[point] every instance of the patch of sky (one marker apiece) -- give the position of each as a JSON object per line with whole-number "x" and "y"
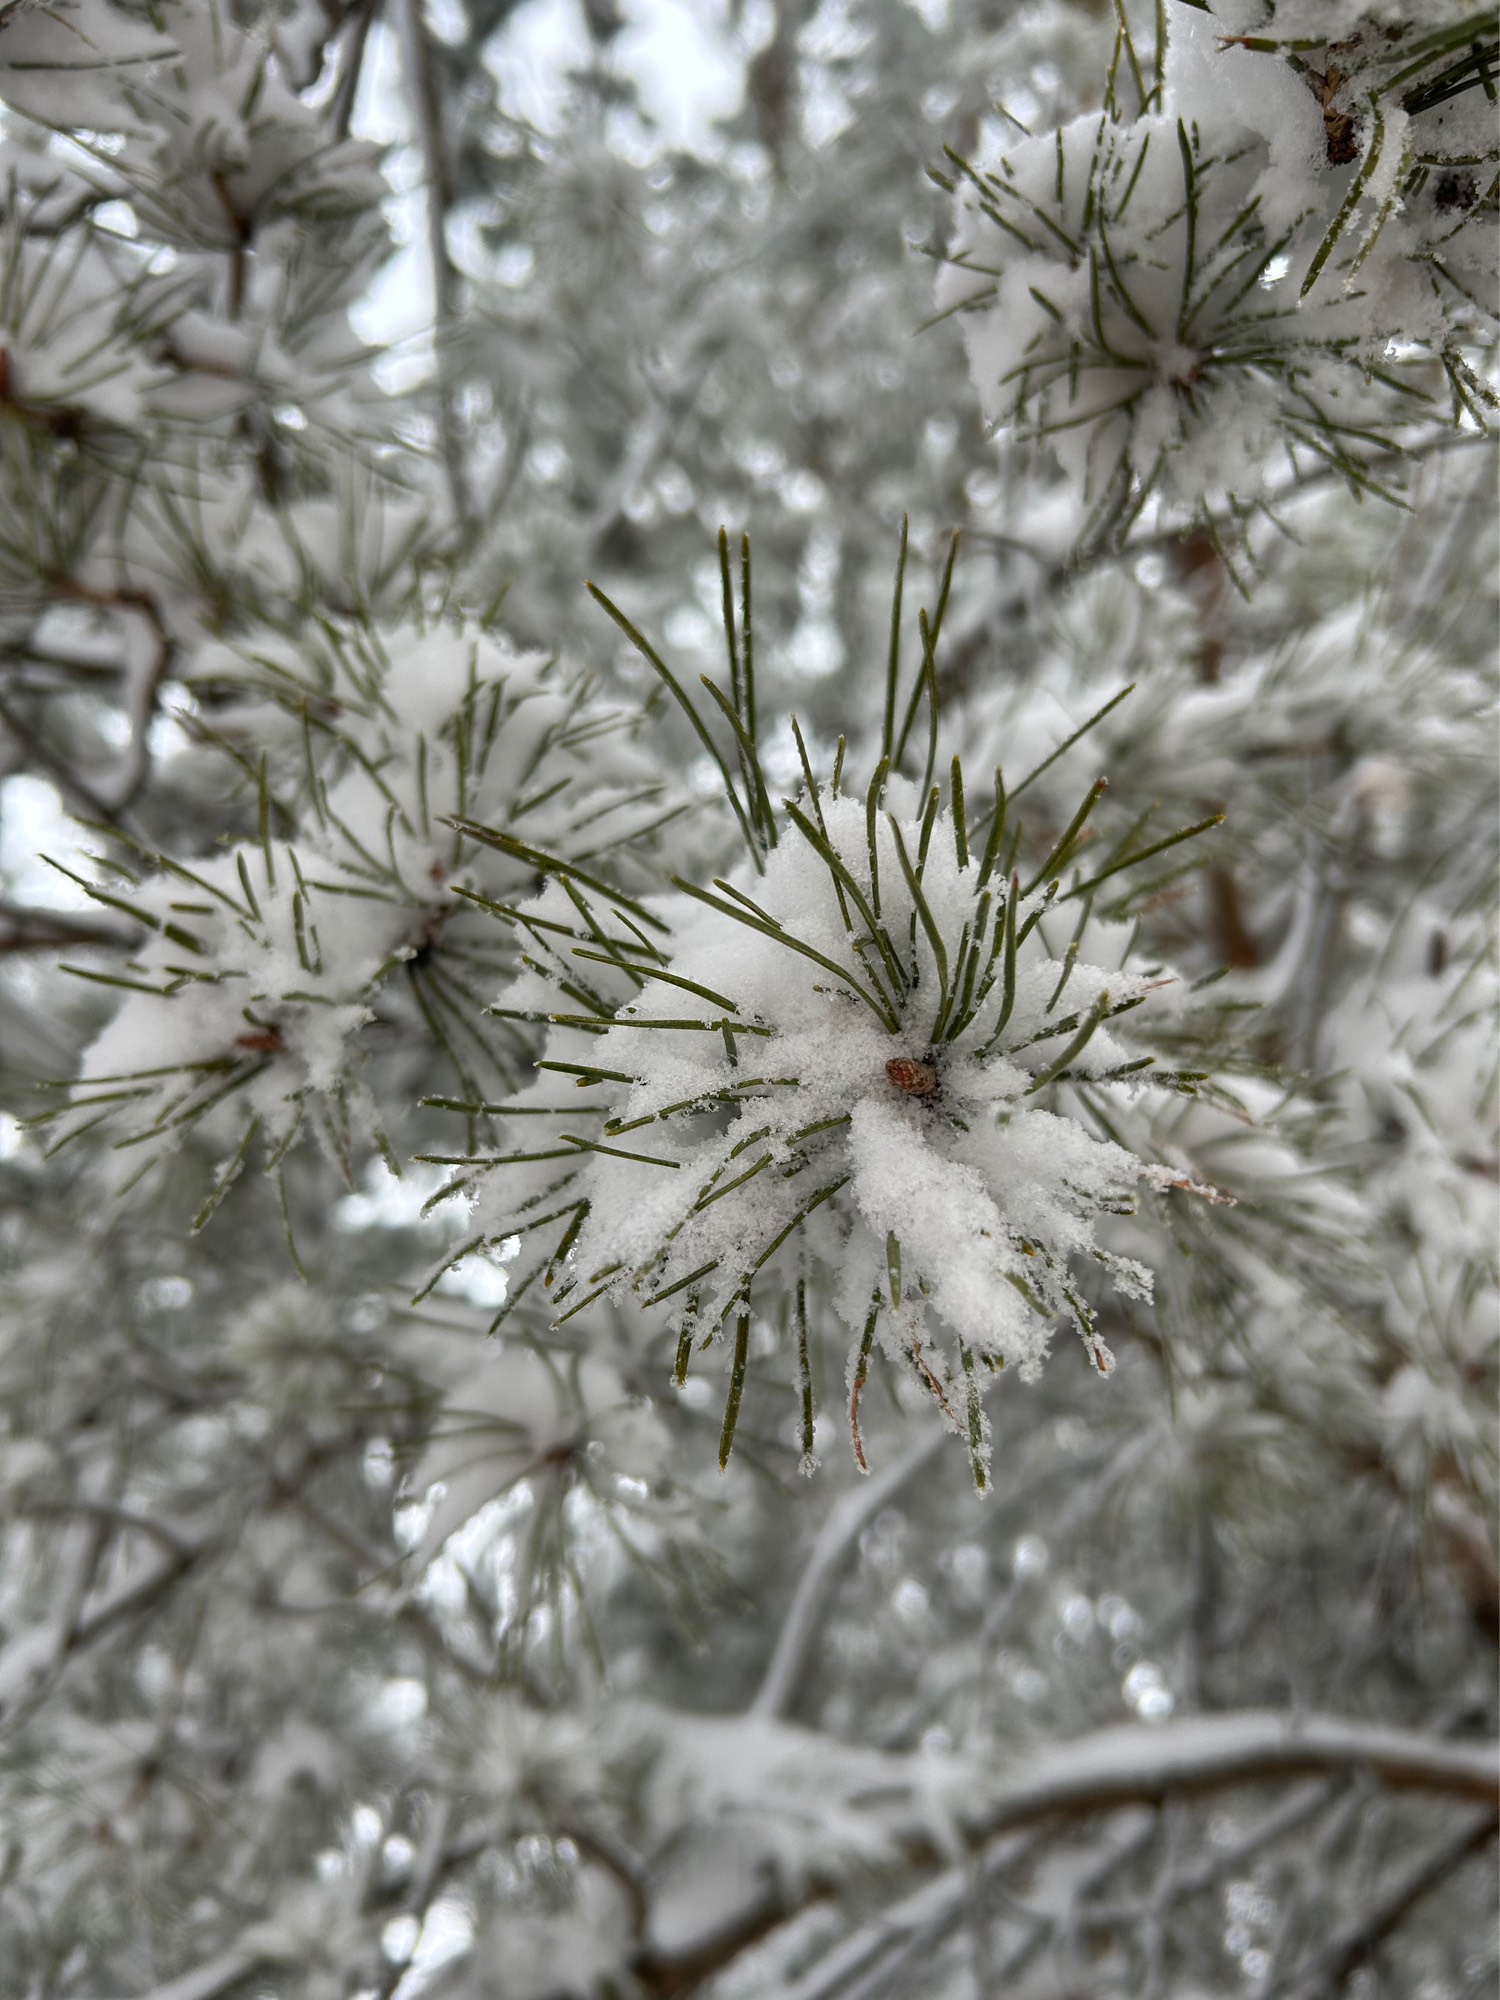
{"x": 396, "y": 312}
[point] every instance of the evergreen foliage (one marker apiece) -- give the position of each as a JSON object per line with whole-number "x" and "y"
{"x": 505, "y": 1070}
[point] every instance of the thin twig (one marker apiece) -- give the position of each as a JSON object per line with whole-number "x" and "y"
{"x": 1352, "y": 1946}
{"x": 427, "y": 110}
{"x": 778, "y": 1687}
{"x": 24, "y": 929}
{"x": 351, "y": 64}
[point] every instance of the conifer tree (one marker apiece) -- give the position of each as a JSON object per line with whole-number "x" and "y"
{"x": 748, "y": 1011}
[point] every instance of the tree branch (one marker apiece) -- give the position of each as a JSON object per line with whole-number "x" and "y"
{"x": 427, "y": 111}
{"x": 1350, "y": 1947}
{"x": 1142, "y": 1763}
{"x": 1126, "y": 1764}
{"x": 879, "y": 1948}
{"x": 845, "y": 1518}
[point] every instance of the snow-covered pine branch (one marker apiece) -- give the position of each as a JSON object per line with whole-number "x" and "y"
{"x": 266, "y": 975}
{"x": 820, "y": 1079}
{"x": 1264, "y": 260}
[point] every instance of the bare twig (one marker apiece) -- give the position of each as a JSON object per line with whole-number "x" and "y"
{"x": 778, "y": 1687}
{"x": 426, "y": 105}
{"x": 1357, "y": 1941}
{"x": 351, "y": 63}
{"x": 26, "y": 929}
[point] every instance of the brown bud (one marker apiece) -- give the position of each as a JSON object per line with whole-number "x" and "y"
{"x": 912, "y": 1078}
{"x": 268, "y": 1040}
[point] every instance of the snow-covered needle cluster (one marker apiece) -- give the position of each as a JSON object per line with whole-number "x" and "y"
{"x": 1184, "y": 301}
{"x": 830, "y": 1077}
{"x": 268, "y": 975}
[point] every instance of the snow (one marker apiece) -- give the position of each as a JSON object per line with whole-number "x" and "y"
{"x": 55, "y": 66}
{"x": 1222, "y": 88}
{"x": 764, "y": 1795}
